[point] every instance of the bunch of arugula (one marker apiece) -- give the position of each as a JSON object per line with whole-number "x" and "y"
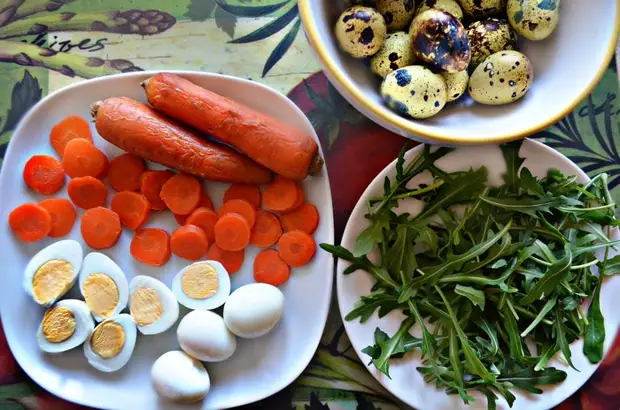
{"x": 513, "y": 267}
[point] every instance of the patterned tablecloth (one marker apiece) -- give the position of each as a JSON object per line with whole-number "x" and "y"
{"x": 48, "y": 44}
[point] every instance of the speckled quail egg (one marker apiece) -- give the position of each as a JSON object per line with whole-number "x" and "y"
{"x": 450, "y": 6}
{"x": 360, "y": 31}
{"x": 456, "y": 84}
{"x": 396, "y": 13}
{"x": 65, "y": 325}
{"x": 489, "y": 36}
{"x": 152, "y": 305}
{"x": 202, "y": 334}
{"x": 111, "y": 344}
{"x": 415, "y": 91}
{"x": 253, "y": 310}
{"x": 103, "y": 285}
{"x": 534, "y": 19}
{"x": 202, "y": 285}
{"x": 483, "y": 8}
{"x": 52, "y": 271}
{"x": 502, "y": 78}
{"x": 180, "y": 378}
{"x": 395, "y": 53}
{"x": 440, "y": 40}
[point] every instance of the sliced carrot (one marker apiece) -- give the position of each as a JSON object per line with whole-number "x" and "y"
{"x": 101, "y": 228}
{"x": 132, "y": 207}
{"x": 151, "y": 184}
{"x": 296, "y": 248}
{"x": 181, "y": 193}
{"x": 280, "y": 194}
{"x": 125, "y": 172}
{"x": 305, "y": 218}
{"x": 241, "y": 207}
{"x": 205, "y": 201}
{"x": 267, "y": 230}
{"x": 204, "y": 218}
{"x": 83, "y": 159}
{"x": 232, "y": 232}
{"x": 301, "y": 199}
{"x": 151, "y": 246}
{"x": 63, "y": 216}
{"x": 69, "y": 129}
{"x": 232, "y": 260}
{"x": 189, "y": 242}
{"x": 30, "y": 222}
{"x": 250, "y": 193}
{"x": 87, "y": 192}
{"x": 44, "y": 174}
{"x": 270, "y": 268}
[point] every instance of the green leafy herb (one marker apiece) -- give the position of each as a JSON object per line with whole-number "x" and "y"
{"x": 476, "y": 296}
{"x": 595, "y": 329}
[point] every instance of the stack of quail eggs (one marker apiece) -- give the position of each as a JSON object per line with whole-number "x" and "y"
{"x": 431, "y": 52}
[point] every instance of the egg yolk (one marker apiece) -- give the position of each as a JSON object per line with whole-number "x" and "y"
{"x": 58, "y": 324}
{"x": 51, "y": 280}
{"x": 145, "y": 306}
{"x": 108, "y": 340}
{"x": 199, "y": 281}
{"x": 101, "y": 294}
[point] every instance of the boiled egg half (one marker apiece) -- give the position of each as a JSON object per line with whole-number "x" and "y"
{"x": 253, "y": 310}
{"x": 180, "y": 378}
{"x": 65, "y": 325}
{"x": 111, "y": 343}
{"x": 202, "y": 334}
{"x": 202, "y": 285}
{"x": 152, "y": 305}
{"x": 103, "y": 285}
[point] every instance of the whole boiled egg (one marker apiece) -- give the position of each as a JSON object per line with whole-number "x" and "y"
{"x": 111, "y": 343}
{"x": 103, "y": 285}
{"x": 253, "y": 310}
{"x": 65, "y": 325}
{"x": 202, "y": 334}
{"x": 52, "y": 271}
{"x": 202, "y": 285}
{"x": 152, "y": 305}
{"x": 178, "y": 377}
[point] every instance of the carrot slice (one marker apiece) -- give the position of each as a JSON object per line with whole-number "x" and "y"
{"x": 83, "y": 159}
{"x": 250, "y": 193}
{"x": 30, "y": 222}
{"x": 87, "y": 192}
{"x": 63, "y": 216}
{"x": 44, "y": 174}
{"x": 306, "y": 219}
{"x": 296, "y": 248}
{"x": 125, "y": 172}
{"x": 241, "y": 207}
{"x": 151, "y": 246}
{"x": 301, "y": 199}
{"x": 189, "y": 242}
{"x": 280, "y": 194}
{"x": 232, "y": 260}
{"x": 69, "y": 129}
{"x": 267, "y": 230}
{"x": 232, "y": 232}
{"x": 132, "y": 207}
{"x": 181, "y": 194}
{"x": 204, "y": 218}
{"x": 101, "y": 228}
{"x": 151, "y": 183}
{"x": 270, "y": 268}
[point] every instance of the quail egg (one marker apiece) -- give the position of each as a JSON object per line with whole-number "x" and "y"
{"x": 152, "y": 305}
{"x": 440, "y": 40}
{"x": 456, "y": 84}
{"x": 489, "y": 36}
{"x": 534, "y": 19}
{"x": 65, "y": 325}
{"x": 202, "y": 334}
{"x": 395, "y": 53}
{"x": 253, "y": 310}
{"x": 450, "y": 6}
{"x": 202, "y": 285}
{"x": 483, "y": 8}
{"x": 52, "y": 271}
{"x": 111, "y": 344}
{"x": 415, "y": 91}
{"x": 103, "y": 285}
{"x": 396, "y": 13}
{"x": 360, "y": 31}
{"x": 180, "y": 378}
{"x": 502, "y": 78}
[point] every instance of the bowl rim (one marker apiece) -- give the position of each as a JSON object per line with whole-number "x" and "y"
{"x": 411, "y": 127}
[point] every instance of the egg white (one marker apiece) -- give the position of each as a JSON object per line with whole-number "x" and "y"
{"x": 253, "y": 310}
{"x": 202, "y": 334}
{"x": 169, "y": 303}
{"x": 179, "y": 377}
{"x": 213, "y": 302}
{"x": 96, "y": 262}
{"x": 83, "y": 327}
{"x": 117, "y": 362}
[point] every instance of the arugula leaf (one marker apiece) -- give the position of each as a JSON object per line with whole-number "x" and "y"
{"x": 530, "y": 183}
{"x": 392, "y": 346}
{"x": 610, "y": 267}
{"x": 367, "y": 305}
{"x": 554, "y": 275}
{"x": 510, "y": 151}
{"x": 527, "y": 378}
{"x": 594, "y": 338}
{"x": 455, "y": 361}
{"x": 530, "y": 206}
{"x": 560, "y": 336}
{"x": 474, "y": 295}
{"x": 400, "y": 257}
{"x": 372, "y": 235}
{"x": 541, "y": 315}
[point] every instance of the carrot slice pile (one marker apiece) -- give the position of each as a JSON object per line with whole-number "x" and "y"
{"x": 296, "y": 248}
{"x": 231, "y": 260}
{"x": 280, "y": 194}
{"x": 232, "y": 232}
{"x": 133, "y": 208}
{"x": 305, "y": 218}
{"x": 205, "y": 219}
{"x": 151, "y": 246}
{"x": 63, "y": 216}
{"x": 301, "y": 198}
{"x": 267, "y": 230}
{"x": 181, "y": 193}
{"x": 87, "y": 192}
{"x": 69, "y": 129}
{"x": 101, "y": 228}
{"x": 44, "y": 174}
{"x": 151, "y": 183}
{"x": 250, "y": 193}
{"x": 30, "y": 222}
{"x": 241, "y": 207}
{"x": 83, "y": 159}
{"x": 189, "y": 242}
{"x": 270, "y": 268}
{"x": 125, "y": 172}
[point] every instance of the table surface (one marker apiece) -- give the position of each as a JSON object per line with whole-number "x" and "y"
{"x": 100, "y": 37}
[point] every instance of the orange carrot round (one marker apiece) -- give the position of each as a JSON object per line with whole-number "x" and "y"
{"x": 232, "y": 232}
{"x": 305, "y": 218}
{"x": 83, "y": 159}
{"x": 204, "y": 218}
{"x": 181, "y": 193}
{"x": 241, "y": 207}
{"x": 30, "y": 222}
{"x": 87, "y": 192}
{"x": 151, "y": 246}
{"x": 69, "y": 129}
{"x": 301, "y": 198}
{"x": 231, "y": 260}
{"x": 101, "y": 228}
{"x": 63, "y": 216}
{"x": 250, "y": 193}
{"x": 125, "y": 172}
{"x": 296, "y": 248}
{"x": 280, "y": 194}
{"x": 133, "y": 208}
{"x": 270, "y": 268}
{"x": 189, "y": 242}
{"x": 267, "y": 230}
{"x": 151, "y": 183}
{"x": 44, "y": 174}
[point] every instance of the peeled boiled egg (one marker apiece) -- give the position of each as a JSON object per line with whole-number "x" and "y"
{"x": 111, "y": 343}
{"x": 52, "y": 271}
{"x": 65, "y": 325}
{"x": 253, "y": 310}
{"x": 152, "y": 305}
{"x": 103, "y": 285}
{"x": 202, "y": 285}
{"x": 202, "y": 334}
{"x": 180, "y": 378}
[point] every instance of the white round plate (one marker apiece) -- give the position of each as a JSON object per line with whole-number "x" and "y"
{"x": 406, "y": 383}
{"x": 259, "y": 367}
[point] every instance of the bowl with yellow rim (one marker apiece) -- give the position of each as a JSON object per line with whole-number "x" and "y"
{"x": 567, "y": 66}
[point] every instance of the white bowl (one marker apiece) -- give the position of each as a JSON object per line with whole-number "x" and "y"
{"x": 567, "y": 66}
